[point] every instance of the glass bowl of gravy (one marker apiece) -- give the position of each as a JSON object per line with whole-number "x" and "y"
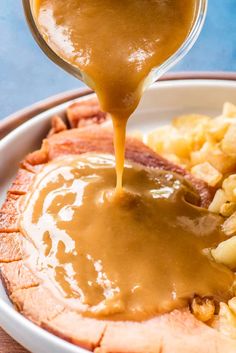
{"x": 118, "y": 48}
{"x": 200, "y": 9}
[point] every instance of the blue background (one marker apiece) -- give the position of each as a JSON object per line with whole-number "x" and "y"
{"x": 27, "y": 76}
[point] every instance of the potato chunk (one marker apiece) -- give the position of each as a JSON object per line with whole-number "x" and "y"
{"x": 228, "y": 144}
{"x": 229, "y": 110}
{"x": 227, "y": 209}
{"x": 229, "y": 226}
{"x": 208, "y": 173}
{"x": 225, "y": 253}
{"x": 229, "y": 186}
{"x": 203, "y": 308}
{"x": 225, "y": 322}
{"x": 218, "y": 201}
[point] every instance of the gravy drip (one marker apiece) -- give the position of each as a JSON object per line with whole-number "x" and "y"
{"x": 115, "y": 44}
{"x": 124, "y": 256}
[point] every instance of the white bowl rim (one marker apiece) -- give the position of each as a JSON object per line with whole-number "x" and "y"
{"x": 12, "y": 121}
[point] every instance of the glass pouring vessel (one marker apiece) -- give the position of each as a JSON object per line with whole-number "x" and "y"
{"x": 200, "y": 14}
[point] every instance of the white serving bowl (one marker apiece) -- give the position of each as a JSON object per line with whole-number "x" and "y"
{"x": 160, "y": 104}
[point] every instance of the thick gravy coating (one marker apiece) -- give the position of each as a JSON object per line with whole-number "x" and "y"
{"x": 115, "y": 44}
{"x": 144, "y": 249}
{"x": 122, "y": 256}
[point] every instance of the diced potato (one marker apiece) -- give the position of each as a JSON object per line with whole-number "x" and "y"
{"x": 218, "y": 201}
{"x": 200, "y": 156}
{"x": 208, "y": 173}
{"x": 199, "y": 138}
{"x": 218, "y": 127}
{"x": 229, "y": 226}
{"x": 167, "y": 140}
{"x": 157, "y": 138}
{"x": 225, "y": 322}
{"x": 228, "y": 144}
{"x": 179, "y": 145}
{"x": 155, "y": 143}
{"x": 197, "y": 157}
{"x": 227, "y": 209}
{"x": 193, "y": 126}
{"x": 232, "y": 305}
{"x": 225, "y": 253}
{"x": 190, "y": 121}
{"x": 206, "y": 147}
{"x": 229, "y": 186}
{"x": 203, "y": 308}
{"x": 229, "y": 110}
{"x": 221, "y": 161}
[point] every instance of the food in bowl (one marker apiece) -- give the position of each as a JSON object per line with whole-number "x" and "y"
{"x": 206, "y": 147}
{"x": 114, "y": 269}
{"x": 76, "y": 261}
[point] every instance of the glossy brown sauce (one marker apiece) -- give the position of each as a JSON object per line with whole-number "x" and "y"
{"x": 126, "y": 256}
{"x": 115, "y": 44}
{"x": 143, "y": 250}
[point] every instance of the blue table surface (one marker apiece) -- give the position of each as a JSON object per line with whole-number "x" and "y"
{"x": 27, "y": 75}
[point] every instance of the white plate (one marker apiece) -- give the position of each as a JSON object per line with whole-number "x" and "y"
{"x": 160, "y": 104}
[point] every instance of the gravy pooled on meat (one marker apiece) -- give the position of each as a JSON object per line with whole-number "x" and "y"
{"x": 144, "y": 249}
{"x": 115, "y": 44}
{"x": 143, "y": 253}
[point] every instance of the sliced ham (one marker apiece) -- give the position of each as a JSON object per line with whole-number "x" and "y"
{"x": 177, "y": 332}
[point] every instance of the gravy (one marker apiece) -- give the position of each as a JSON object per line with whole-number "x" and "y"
{"x": 143, "y": 250}
{"x": 128, "y": 256}
{"x": 115, "y": 44}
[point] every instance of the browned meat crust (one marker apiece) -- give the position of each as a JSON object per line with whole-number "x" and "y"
{"x": 83, "y": 114}
{"x": 58, "y": 125}
{"x": 88, "y": 139}
{"x": 176, "y": 332}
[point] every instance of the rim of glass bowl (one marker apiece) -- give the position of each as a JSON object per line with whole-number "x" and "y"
{"x": 154, "y": 74}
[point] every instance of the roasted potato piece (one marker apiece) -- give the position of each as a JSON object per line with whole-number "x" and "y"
{"x": 229, "y": 110}
{"x": 200, "y": 156}
{"x": 228, "y": 144}
{"x": 221, "y": 161}
{"x": 229, "y": 186}
{"x": 206, "y": 147}
{"x": 167, "y": 140}
{"x": 179, "y": 145}
{"x": 229, "y": 226}
{"x": 218, "y": 201}
{"x": 218, "y": 127}
{"x": 190, "y": 122}
{"x": 227, "y": 209}
{"x": 156, "y": 139}
{"x": 208, "y": 173}
{"x": 225, "y": 322}
{"x": 193, "y": 126}
{"x": 203, "y": 308}
{"x": 225, "y": 253}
